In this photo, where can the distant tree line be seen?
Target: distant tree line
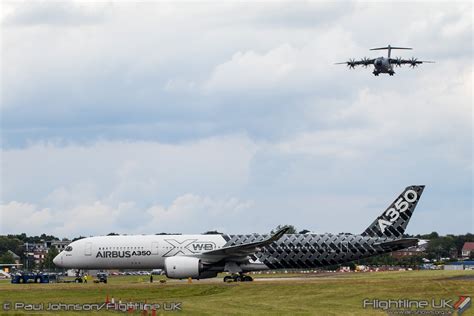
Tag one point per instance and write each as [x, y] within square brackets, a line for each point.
[33, 239]
[12, 243]
[444, 246]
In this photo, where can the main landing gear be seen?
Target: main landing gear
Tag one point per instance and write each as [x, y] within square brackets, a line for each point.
[238, 277]
[376, 73]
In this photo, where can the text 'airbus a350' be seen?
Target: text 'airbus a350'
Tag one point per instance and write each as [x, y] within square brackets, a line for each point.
[204, 256]
[384, 65]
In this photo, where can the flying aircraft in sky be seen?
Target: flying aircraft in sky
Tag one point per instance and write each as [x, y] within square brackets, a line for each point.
[204, 256]
[384, 64]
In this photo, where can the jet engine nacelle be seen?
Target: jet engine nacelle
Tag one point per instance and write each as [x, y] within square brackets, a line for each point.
[180, 267]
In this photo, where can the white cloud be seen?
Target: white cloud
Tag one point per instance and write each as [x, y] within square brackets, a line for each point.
[190, 211]
[286, 67]
[250, 71]
[25, 217]
[148, 187]
[51, 13]
[138, 169]
[117, 182]
[185, 213]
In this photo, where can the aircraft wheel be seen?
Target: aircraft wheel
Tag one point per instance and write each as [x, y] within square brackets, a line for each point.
[247, 278]
[237, 278]
[228, 278]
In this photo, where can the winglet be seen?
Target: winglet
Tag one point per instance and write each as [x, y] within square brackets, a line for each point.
[277, 235]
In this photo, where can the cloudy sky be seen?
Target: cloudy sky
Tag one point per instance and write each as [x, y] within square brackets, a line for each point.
[184, 117]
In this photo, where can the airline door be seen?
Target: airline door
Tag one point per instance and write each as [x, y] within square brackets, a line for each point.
[154, 248]
[88, 249]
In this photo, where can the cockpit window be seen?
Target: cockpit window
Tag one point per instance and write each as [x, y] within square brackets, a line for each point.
[68, 248]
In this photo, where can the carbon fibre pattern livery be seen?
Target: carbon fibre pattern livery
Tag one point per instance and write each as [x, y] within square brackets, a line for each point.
[314, 250]
[317, 250]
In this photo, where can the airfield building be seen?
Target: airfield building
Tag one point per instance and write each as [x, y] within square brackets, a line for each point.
[460, 265]
[467, 249]
[60, 245]
[410, 251]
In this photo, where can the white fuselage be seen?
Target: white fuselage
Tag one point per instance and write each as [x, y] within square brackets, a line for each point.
[133, 252]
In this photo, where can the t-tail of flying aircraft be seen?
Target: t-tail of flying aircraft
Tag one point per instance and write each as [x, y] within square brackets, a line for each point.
[389, 48]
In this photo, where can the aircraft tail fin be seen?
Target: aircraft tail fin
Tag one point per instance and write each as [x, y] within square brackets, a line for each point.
[394, 220]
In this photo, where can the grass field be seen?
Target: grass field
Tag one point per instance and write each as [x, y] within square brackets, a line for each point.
[327, 294]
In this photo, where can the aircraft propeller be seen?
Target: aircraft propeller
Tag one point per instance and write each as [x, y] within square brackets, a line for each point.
[398, 62]
[413, 62]
[351, 63]
[365, 62]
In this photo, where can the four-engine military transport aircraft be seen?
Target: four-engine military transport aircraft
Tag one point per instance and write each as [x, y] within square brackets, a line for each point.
[384, 64]
[203, 256]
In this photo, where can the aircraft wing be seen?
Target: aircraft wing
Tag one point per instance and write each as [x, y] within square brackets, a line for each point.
[351, 63]
[241, 250]
[413, 62]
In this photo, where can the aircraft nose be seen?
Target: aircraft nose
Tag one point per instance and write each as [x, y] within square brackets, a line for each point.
[57, 260]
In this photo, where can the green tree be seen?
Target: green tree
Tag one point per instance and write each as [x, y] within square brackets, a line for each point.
[433, 235]
[212, 232]
[7, 257]
[440, 247]
[10, 243]
[48, 260]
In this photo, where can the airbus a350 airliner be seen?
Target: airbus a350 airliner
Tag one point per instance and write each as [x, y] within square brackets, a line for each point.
[203, 256]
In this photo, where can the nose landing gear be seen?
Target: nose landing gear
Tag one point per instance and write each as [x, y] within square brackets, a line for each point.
[79, 276]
